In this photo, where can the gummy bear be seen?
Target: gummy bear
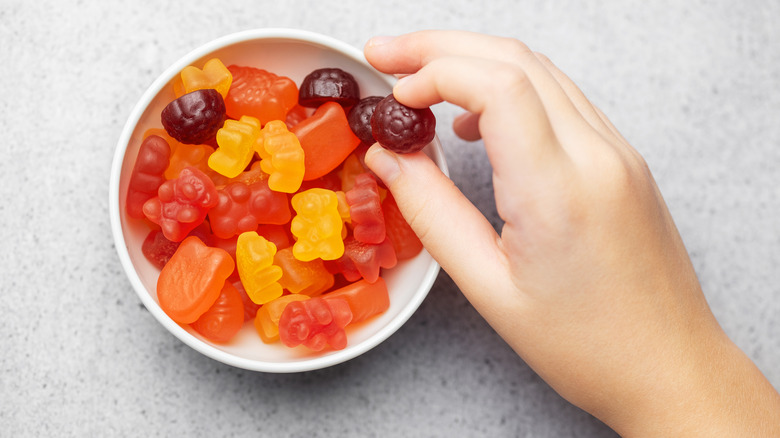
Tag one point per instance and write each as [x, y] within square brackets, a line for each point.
[364, 260]
[148, 174]
[260, 94]
[365, 210]
[364, 299]
[282, 157]
[307, 278]
[213, 75]
[181, 204]
[224, 318]
[267, 317]
[317, 225]
[236, 140]
[241, 207]
[405, 241]
[260, 277]
[326, 139]
[315, 323]
[192, 280]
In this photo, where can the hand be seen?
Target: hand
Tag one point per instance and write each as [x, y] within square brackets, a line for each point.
[589, 280]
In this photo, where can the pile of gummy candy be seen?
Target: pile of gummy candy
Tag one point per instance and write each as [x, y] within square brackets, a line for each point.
[260, 206]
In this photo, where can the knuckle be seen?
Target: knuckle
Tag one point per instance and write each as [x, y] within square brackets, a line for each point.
[514, 48]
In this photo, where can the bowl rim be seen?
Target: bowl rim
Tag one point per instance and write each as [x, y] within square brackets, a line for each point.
[305, 364]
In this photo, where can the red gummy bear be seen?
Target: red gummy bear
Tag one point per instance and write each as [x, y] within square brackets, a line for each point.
[364, 260]
[181, 204]
[365, 210]
[315, 323]
[148, 174]
[405, 241]
[242, 207]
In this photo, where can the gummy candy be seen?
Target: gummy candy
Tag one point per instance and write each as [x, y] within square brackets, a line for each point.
[315, 323]
[195, 117]
[326, 139]
[236, 140]
[329, 85]
[148, 174]
[400, 128]
[364, 299]
[213, 75]
[364, 260]
[255, 258]
[404, 240]
[224, 318]
[242, 207]
[360, 118]
[317, 225]
[181, 204]
[307, 278]
[267, 317]
[282, 157]
[192, 280]
[260, 94]
[365, 210]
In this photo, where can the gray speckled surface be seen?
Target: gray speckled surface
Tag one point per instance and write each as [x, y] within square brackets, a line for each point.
[693, 85]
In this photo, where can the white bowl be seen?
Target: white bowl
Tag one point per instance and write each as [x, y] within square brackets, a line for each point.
[292, 53]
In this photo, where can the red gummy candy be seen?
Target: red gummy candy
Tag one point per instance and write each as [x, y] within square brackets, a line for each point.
[405, 241]
[315, 323]
[326, 139]
[224, 318]
[148, 174]
[181, 204]
[365, 210]
[159, 250]
[260, 94]
[242, 207]
[364, 260]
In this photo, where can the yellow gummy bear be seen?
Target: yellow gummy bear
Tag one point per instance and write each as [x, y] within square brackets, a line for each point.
[254, 258]
[317, 225]
[236, 140]
[282, 157]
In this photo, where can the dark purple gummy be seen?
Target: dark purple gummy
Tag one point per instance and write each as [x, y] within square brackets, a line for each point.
[195, 117]
[400, 128]
[328, 85]
[359, 118]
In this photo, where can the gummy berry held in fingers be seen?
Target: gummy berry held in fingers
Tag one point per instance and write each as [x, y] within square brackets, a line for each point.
[328, 85]
[360, 118]
[400, 128]
[195, 117]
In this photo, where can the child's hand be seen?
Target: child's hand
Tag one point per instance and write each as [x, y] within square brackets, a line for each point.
[589, 280]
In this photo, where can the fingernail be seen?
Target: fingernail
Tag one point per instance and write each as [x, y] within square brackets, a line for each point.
[379, 40]
[384, 163]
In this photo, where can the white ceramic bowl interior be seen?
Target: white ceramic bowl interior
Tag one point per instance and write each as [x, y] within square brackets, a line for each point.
[291, 53]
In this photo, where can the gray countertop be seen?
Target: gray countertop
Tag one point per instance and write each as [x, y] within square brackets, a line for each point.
[694, 86]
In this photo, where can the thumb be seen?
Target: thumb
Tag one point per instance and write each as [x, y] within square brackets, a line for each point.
[450, 227]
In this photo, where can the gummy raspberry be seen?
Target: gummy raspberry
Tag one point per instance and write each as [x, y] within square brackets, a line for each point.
[360, 118]
[400, 128]
[329, 85]
[195, 117]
